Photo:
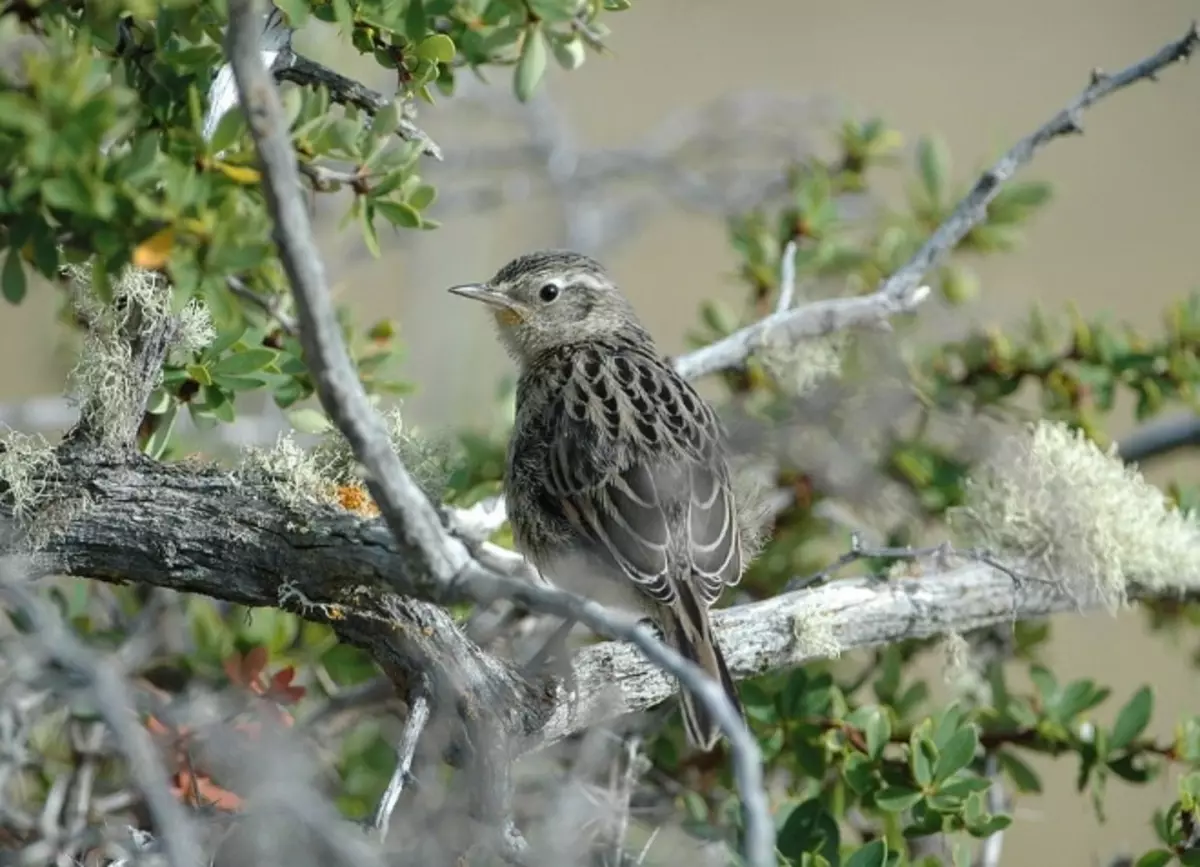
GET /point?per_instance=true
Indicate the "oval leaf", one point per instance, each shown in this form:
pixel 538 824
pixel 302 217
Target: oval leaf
pixel 1133 719
pixel 957 754
pixel 532 64
pixel 874 854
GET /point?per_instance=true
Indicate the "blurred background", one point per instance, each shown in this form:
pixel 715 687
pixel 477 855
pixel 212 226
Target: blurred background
pixel 637 161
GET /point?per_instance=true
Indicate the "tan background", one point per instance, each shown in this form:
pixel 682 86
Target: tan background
pixel 1121 235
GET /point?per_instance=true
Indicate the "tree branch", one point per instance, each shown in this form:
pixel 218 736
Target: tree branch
pixel 1160 438
pixel 298 69
pixel 901 292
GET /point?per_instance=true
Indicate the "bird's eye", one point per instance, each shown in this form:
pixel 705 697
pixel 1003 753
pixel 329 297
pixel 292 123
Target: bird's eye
pixel 548 292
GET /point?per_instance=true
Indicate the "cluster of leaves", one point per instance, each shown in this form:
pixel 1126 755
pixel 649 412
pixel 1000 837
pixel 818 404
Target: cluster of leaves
pixel 427 41
pixel 103 162
pixel 908 770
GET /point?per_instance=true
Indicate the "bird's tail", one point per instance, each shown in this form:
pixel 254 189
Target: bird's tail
pixel 686 627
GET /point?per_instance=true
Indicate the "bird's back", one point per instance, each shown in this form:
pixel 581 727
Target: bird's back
pixel 616 457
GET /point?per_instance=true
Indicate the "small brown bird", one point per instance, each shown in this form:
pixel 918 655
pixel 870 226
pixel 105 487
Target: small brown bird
pixel 616 468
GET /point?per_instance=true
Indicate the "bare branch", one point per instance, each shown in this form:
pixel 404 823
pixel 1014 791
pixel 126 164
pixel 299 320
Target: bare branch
pixel 1160 438
pixel 787 278
pixel 901 292
pixel 418 716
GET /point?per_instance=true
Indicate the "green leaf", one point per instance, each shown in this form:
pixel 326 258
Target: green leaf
pixel 385 122
pixel 1155 858
pixel 230 129
pixel 878 730
pixel 399 214
pixel 1132 719
pixel 158 441
pixel 12 280
pixel 874 854
pixel 957 753
pixel 295 10
pixel 569 53
pixel 20 114
pixel 933 162
pixel 422 197
pixel 988 826
pixel 1023 776
pixel 894 799
pixel 554 10
pixel 809 828
pixel 241 363
pixel 531 65
pixel 438 47
pixel 309 420
pixel 1077 697
pixel 922 755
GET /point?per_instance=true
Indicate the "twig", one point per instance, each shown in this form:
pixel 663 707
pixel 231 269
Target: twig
pixel 271 305
pixel 1160 438
pixel 997 802
pixel 943 552
pixel 112 700
pixel 296 68
pixel 787 278
pixel 901 292
pixel 418 717
pixel 414 522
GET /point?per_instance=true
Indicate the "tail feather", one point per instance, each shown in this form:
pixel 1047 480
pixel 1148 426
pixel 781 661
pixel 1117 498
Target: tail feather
pixel 687 628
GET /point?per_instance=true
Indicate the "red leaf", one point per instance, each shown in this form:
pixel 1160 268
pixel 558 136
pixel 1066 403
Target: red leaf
pixel 282 690
pixel 253 663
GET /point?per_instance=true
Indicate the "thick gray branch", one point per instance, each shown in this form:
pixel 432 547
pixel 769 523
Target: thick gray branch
pixel 172 526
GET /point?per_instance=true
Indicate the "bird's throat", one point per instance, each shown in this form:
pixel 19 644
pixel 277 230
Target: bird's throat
pixel 508 316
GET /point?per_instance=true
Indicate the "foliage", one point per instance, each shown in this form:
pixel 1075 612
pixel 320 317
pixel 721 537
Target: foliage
pixel 103 167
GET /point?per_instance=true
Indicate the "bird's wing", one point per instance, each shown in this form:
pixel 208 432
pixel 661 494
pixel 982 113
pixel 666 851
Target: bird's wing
pixel 637 452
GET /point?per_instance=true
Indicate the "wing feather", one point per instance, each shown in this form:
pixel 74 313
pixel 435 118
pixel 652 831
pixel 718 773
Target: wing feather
pixel 638 465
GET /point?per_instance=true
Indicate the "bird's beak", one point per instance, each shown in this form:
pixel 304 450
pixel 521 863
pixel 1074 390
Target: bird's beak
pixel 506 309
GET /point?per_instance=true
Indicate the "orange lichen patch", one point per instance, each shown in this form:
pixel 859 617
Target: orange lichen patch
pixel 355 498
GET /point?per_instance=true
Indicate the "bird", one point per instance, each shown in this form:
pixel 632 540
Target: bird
pixel 617 478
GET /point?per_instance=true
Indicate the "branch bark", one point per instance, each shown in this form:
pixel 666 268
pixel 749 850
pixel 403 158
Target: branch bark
pixel 169 526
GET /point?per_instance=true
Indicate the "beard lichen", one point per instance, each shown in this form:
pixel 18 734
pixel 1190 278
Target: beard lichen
pixel 329 474
pixel 1053 501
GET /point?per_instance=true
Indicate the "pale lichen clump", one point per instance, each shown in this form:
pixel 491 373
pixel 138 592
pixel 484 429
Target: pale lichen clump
pixel 196 329
pixel 427 460
pixel 1054 501
pixel 800 365
pixel 29 481
pixel 956 657
pixel 330 475
pixel 295 474
pixel 28 464
pixel 815 636
pixel 105 383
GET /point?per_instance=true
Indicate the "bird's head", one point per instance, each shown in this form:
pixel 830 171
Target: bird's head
pixel 545 300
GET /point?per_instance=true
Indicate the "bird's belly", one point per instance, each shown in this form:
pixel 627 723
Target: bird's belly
pixel 549 549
